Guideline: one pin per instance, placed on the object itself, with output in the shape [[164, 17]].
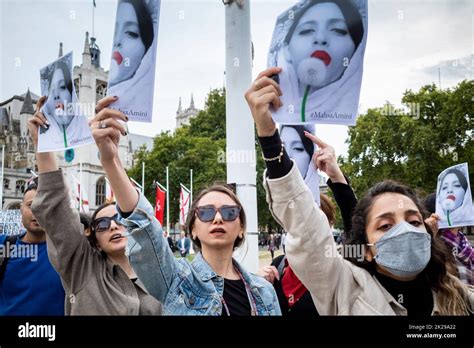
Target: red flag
[[160, 204]]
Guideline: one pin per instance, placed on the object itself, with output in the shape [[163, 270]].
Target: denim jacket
[[184, 288]]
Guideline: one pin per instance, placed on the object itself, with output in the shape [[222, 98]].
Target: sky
[[409, 42]]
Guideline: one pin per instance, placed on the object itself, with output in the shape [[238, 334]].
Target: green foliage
[[413, 148]]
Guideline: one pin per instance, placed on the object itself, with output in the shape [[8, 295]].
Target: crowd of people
[[119, 262]]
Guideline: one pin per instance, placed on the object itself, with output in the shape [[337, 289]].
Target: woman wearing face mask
[[214, 283], [295, 299], [321, 55], [452, 197], [133, 52], [63, 125], [398, 268], [96, 274]]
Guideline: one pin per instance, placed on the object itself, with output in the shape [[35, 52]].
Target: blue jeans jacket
[[184, 288]]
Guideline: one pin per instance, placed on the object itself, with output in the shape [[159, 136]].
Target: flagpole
[[80, 185], [167, 200], [191, 188], [93, 15], [143, 177], [3, 167]]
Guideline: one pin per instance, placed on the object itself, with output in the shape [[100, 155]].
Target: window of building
[[20, 186], [100, 192]]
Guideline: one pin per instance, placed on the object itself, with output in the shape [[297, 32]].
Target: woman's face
[[388, 210], [321, 46], [451, 193], [216, 234], [111, 241], [128, 49], [295, 149], [59, 103]]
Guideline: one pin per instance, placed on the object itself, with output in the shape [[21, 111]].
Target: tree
[[210, 122], [413, 147]]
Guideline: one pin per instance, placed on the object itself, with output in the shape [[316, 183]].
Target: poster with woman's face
[[320, 46], [132, 66], [68, 126], [453, 197], [301, 150]]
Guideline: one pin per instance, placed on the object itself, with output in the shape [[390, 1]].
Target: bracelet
[[280, 155]]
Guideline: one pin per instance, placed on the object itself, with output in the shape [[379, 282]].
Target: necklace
[[253, 304]]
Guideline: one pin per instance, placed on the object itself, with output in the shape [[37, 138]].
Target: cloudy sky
[[408, 41]]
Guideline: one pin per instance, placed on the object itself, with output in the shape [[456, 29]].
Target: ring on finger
[[102, 125]]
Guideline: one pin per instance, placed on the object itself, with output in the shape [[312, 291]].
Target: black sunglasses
[[208, 212], [103, 224]]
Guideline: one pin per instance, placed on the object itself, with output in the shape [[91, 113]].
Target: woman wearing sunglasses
[[96, 275], [214, 283]]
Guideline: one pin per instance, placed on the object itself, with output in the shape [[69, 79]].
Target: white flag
[[184, 204]]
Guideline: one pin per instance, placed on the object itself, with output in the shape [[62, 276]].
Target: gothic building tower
[[183, 117]]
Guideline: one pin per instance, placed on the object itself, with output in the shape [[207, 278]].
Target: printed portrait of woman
[[58, 107], [454, 201], [67, 126], [132, 66], [301, 150], [320, 46]]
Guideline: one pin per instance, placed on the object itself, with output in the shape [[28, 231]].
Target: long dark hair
[[460, 176], [145, 22], [349, 11], [440, 269]]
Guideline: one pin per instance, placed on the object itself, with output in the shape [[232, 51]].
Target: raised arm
[[310, 246], [68, 249], [149, 253]]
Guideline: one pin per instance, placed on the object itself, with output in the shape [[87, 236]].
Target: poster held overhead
[[320, 46], [454, 198], [68, 127], [133, 62]]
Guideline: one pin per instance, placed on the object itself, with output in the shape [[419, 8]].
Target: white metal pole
[[191, 188], [80, 186], [143, 177], [1, 181], [167, 200], [239, 124]]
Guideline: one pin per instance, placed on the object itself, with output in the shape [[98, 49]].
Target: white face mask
[[404, 250]]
